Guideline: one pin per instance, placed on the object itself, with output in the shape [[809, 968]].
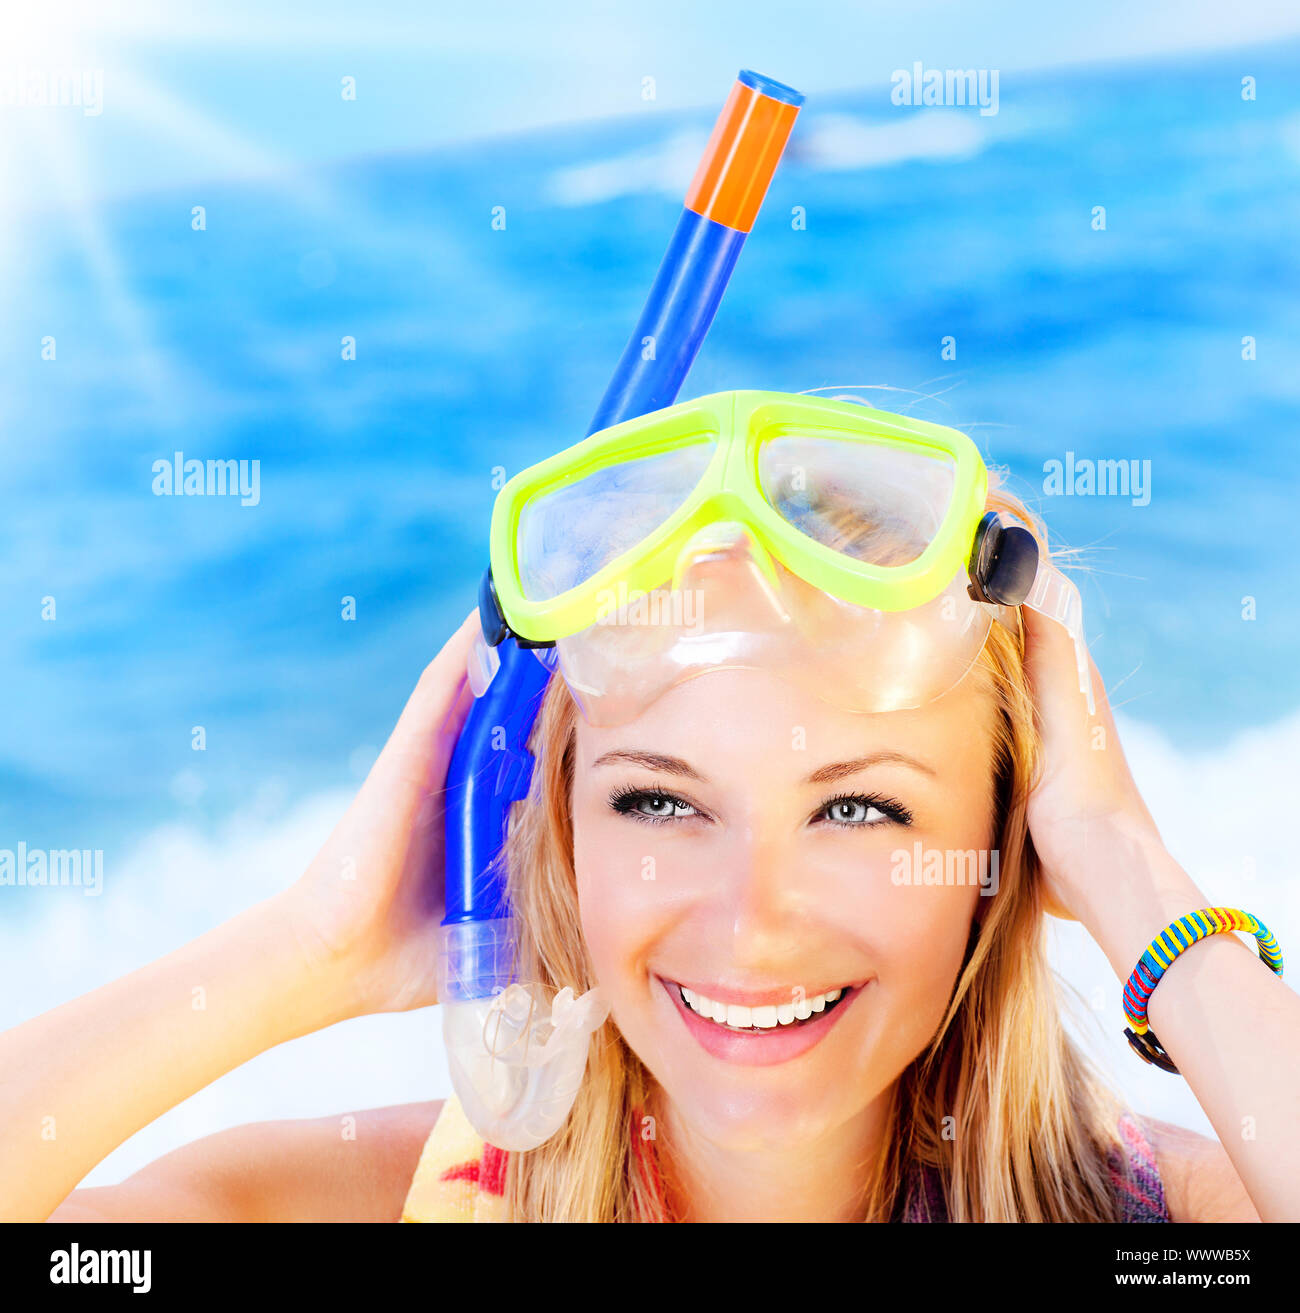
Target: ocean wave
[[666, 168], [825, 142], [830, 142]]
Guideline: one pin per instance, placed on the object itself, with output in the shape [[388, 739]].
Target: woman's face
[[759, 848]]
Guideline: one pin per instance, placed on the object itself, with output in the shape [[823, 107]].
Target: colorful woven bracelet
[[1160, 953]]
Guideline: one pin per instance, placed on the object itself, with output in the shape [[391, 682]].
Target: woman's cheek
[[914, 936], [619, 897], [927, 950]]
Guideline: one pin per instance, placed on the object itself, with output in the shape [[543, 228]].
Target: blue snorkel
[[516, 1064]]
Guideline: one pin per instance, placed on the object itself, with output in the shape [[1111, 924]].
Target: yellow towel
[[459, 1177]]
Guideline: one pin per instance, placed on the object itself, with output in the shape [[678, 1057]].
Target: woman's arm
[[356, 934], [352, 1168], [1231, 1026], [78, 1081], [1199, 1180]]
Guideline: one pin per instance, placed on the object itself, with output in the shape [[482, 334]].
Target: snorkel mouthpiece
[[516, 1055]]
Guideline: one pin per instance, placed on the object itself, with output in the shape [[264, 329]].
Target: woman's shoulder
[[345, 1167], [1200, 1183], [350, 1167]]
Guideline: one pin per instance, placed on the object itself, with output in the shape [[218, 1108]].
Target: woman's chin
[[751, 1121]]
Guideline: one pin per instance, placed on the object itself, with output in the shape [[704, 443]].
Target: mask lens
[[877, 502], [570, 533], [857, 658]]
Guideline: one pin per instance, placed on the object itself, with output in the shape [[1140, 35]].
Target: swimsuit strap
[[1140, 1190]]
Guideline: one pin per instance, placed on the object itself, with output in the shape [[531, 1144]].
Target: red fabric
[[495, 1162]]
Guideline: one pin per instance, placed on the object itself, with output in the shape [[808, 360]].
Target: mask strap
[[1057, 598], [482, 664]]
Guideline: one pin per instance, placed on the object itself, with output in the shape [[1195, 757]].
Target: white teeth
[[767, 1017]]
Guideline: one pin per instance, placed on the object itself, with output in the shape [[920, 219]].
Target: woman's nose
[[766, 897], [723, 543], [732, 575]]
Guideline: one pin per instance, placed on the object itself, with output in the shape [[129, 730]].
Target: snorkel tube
[[516, 1055]]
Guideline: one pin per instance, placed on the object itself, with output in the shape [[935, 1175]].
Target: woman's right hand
[[367, 910]]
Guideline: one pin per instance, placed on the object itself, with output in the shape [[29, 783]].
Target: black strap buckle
[[493, 621], [1003, 562], [1149, 1049]]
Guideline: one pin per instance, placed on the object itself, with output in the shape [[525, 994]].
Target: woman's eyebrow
[[837, 770], [651, 761]]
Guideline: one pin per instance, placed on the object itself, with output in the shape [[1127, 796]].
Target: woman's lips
[[760, 1048]]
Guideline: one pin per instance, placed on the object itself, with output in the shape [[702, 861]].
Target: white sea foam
[[843, 141], [824, 142], [666, 168], [1221, 812]]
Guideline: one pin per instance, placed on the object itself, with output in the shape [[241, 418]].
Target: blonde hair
[[1003, 1106]]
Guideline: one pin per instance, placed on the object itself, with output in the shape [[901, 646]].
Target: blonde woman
[[939, 1082]]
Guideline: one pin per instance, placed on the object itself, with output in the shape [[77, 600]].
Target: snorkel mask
[[846, 549]]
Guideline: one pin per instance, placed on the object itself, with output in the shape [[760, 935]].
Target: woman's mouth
[[771, 1017], [763, 1035]]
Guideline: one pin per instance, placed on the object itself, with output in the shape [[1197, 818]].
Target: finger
[[1054, 673], [1069, 734]]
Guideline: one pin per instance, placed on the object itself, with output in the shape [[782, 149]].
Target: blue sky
[[198, 91]]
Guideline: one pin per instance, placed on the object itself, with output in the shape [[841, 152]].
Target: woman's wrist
[[319, 977]]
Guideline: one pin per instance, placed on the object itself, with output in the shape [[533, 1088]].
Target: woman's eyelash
[[627, 801], [891, 810]]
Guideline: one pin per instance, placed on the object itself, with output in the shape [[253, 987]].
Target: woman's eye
[[664, 807], [864, 812], [652, 806]]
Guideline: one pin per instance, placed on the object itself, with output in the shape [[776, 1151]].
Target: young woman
[[734, 846]]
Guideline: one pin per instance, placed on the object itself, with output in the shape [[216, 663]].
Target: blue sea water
[[480, 349]]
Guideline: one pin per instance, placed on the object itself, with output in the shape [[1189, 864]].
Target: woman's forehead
[[743, 718]]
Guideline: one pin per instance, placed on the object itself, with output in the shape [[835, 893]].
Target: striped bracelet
[[1160, 953]]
